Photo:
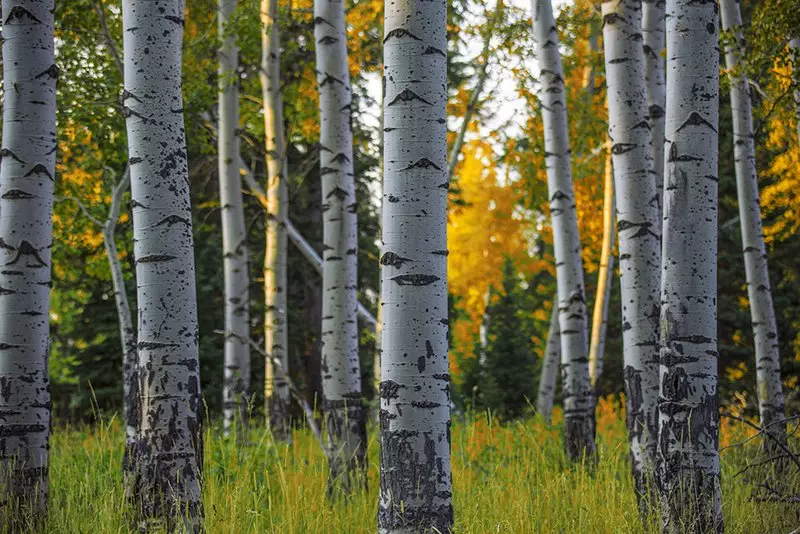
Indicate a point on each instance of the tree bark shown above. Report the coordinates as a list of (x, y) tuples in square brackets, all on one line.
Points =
[(653, 21), (552, 357), (579, 428), (688, 457), (26, 202), (415, 493), (236, 384), (345, 416), (169, 450), (762, 312), (605, 277), (276, 392)]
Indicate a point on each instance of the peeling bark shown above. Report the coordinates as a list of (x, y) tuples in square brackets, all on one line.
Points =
[(552, 357), (762, 312), (276, 392), (653, 40), (415, 478), (29, 150), (236, 384), (688, 438), (169, 452), (579, 427)]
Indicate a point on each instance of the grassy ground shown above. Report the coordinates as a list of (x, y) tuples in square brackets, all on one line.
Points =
[(511, 478)]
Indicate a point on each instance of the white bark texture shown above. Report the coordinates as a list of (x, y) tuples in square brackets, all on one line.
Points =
[(762, 312), (415, 477), (605, 277), (236, 385), (552, 357), (579, 422), (688, 457), (168, 457), (638, 227), (345, 417), (26, 202), (653, 25), (276, 391)]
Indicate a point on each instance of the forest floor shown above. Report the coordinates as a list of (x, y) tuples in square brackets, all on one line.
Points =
[(507, 478)]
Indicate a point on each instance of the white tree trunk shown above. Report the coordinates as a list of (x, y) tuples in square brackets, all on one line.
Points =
[(762, 312), (638, 227), (26, 202), (276, 340), (579, 427), (415, 494), (552, 358), (605, 277), (236, 385), (345, 416), (168, 455), (653, 21), (688, 457)]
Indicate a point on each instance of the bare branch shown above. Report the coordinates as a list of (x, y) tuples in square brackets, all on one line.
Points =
[(110, 42), (777, 441)]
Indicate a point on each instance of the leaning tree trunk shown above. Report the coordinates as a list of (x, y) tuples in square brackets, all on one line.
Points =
[(345, 416), (638, 226), (653, 20), (688, 457), (415, 494), (169, 451), (762, 312), (605, 276), (234, 240), (26, 202), (552, 357), (579, 422), (276, 340)]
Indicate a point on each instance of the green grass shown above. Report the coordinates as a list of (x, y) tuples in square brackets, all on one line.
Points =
[(511, 478)]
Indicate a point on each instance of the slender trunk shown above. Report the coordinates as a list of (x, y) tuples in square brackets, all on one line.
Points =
[(345, 416), (236, 385), (579, 427), (483, 331), (688, 439), (415, 477), (638, 226), (26, 202), (169, 450), (762, 312), (552, 357), (653, 21), (605, 276), (794, 47), (276, 392), (588, 70)]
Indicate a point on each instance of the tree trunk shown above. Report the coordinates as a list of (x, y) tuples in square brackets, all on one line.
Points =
[(579, 427), (762, 312), (276, 392), (169, 450), (794, 47), (345, 416), (552, 357), (415, 493), (236, 385), (653, 20), (26, 202), (688, 469), (605, 277)]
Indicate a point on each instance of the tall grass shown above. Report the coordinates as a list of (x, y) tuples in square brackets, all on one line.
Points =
[(507, 478)]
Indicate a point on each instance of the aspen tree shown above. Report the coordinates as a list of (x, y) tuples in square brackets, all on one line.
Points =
[(653, 21), (552, 358)]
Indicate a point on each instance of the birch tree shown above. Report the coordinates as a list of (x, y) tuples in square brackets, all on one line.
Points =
[(638, 226), (276, 392), (345, 416), (234, 240), (547, 378), (653, 21), (168, 455), (415, 489), (26, 202), (688, 457), (762, 312), (579, 422)]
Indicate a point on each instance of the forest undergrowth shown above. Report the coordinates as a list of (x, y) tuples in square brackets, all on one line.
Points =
[(511, 478)]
